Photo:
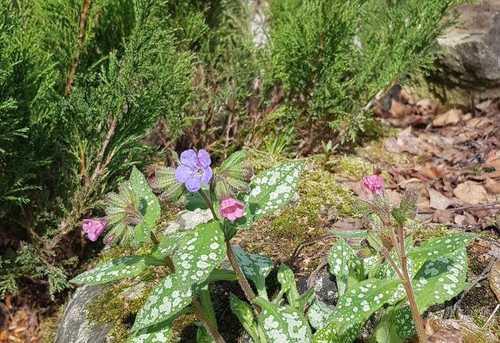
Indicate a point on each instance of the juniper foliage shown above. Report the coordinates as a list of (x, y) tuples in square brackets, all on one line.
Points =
[(333, 56)]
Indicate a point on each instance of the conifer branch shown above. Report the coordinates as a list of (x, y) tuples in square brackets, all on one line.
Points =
[(81, 40)]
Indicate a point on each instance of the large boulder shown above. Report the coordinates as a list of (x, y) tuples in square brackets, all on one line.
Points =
[(470, 50), (74, 326)]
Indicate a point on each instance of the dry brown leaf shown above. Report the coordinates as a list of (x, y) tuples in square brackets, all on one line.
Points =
[(426, 107), (442, 217), (492, 186), (393, 197), (471, 192), (452, 117), (399, 109), (494, 279), (405, 142), (437, 200), (453, 330)]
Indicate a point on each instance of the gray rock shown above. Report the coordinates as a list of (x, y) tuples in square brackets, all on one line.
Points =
[(471, 47), (325, 288), (74, 326), (187, 220)]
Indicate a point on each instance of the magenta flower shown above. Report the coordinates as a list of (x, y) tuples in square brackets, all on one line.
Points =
[(194, 170), (94, 227), (374, 184), (232, 209)]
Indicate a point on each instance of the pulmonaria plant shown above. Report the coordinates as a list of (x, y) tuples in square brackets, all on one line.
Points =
[(398, 279), (194, 257)]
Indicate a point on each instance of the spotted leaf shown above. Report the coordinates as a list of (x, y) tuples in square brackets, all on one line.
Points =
[(437, 247), (319, 314), (287, 280), (128, 266), (273, 189), (395, 326), (355, 307), (345, 265), (148, 206), (159, 333), (244, 312), (282, 324), (255, 267), (199, 252), (441, 279)]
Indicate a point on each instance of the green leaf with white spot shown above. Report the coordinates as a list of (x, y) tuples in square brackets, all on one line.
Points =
[(436, 247), (128, 266), (168, 245), (395, 326), (282, 323), (441, 279), (273, 189), (166, 182), (159, 333), (319, 314), (287, 280), (244, 312), (202, 336), (199, 252), (345, 265), (355, 307), (255, 267), (148, 206)]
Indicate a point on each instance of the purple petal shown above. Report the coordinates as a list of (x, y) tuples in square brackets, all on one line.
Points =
[(207, 175), (189, 158), (193, 184), (182, 173), (204, 158)]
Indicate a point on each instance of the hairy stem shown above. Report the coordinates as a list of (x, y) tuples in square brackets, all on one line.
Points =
[(419, 323), (200, 314), (242, 280)]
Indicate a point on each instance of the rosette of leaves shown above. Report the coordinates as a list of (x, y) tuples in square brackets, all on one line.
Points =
[(230, 178), (439, 269), (132, 213)]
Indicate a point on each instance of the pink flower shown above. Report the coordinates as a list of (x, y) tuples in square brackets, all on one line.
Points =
[(94, 227), (232, 209), (374, 184)]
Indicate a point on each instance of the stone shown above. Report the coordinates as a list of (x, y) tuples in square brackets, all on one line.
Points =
[(325, 287), (74, 326), (188, 220), (470, 49)]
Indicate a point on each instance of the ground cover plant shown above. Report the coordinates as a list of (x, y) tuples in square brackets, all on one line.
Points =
[(398, 273)]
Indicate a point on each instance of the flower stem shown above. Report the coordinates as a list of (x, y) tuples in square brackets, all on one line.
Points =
[(419, 323), (242, 280), (212, 330), (209, 203)]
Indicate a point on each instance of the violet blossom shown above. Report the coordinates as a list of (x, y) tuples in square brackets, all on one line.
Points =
[(194, 170)]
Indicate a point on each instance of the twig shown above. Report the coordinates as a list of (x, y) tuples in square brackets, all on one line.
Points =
[(491, 316), (303, 245), (81, 40), (101, 164)]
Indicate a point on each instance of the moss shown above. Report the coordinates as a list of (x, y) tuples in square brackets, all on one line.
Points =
[(116, 306), (351, 167), (48, 326), (320, 195)]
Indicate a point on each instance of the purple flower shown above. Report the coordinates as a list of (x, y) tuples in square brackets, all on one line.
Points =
[(94, 227), (374, 184), (194, 170)]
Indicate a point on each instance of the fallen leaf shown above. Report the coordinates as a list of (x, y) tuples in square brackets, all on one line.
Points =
[(405, 142), (437, 200), (442, 217), (393, 197), (452, 117), (426, 107), (471, 192), (492, 186), (494, 279), (399, 109), (459, 219), (456, 330)]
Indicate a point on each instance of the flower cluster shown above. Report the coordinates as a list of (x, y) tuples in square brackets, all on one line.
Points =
[(94, 227)]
